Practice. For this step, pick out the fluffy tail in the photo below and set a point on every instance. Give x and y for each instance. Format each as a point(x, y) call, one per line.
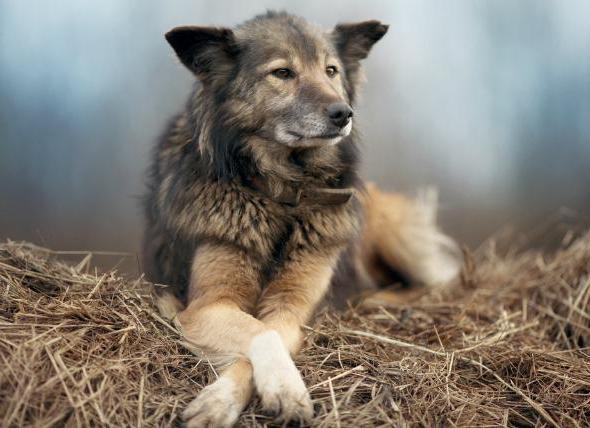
point(402, 233)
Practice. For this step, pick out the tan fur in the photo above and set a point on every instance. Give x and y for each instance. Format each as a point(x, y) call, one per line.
point(392, 297)
point(215, 318)
point(289, 301)
point(222, 273)
point(168, 305)
point(403, 232)
point(220, 403)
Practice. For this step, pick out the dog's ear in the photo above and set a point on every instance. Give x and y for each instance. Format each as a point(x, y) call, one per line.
point(204, 50)
point(353, 43)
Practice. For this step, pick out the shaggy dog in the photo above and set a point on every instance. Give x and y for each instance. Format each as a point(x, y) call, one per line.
point(255, 209)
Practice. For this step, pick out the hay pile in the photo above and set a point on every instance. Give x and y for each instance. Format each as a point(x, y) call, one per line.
point(505, 345)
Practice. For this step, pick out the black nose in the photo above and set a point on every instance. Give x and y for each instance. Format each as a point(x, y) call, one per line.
point(339, 114)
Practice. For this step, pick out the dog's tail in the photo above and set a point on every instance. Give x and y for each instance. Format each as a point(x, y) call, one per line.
point(401, 235)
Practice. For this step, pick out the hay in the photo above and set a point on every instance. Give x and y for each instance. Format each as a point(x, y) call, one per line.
point(505, 345)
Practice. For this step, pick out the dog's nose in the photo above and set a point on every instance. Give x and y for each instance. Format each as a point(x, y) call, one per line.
point(339, 114)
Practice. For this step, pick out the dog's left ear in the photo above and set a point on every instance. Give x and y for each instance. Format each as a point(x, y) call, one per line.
point(353, 43)
point(206, 51)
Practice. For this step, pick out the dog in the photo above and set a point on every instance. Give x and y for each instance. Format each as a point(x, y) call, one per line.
point(255, 208)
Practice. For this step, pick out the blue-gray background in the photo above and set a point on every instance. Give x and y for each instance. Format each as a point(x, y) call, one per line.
point(488, 101)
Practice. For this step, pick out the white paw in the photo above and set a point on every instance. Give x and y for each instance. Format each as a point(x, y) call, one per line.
point(215, 406)
point(282, 392)
point(278, 382)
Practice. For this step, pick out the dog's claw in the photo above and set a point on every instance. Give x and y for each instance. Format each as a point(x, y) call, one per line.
point(289, 408)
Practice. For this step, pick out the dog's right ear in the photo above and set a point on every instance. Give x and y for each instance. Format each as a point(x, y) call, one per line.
point(204, 50)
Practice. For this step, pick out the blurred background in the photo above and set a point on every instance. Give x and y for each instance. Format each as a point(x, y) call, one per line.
point(488, 101)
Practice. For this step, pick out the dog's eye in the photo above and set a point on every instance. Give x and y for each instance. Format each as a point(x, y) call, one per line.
point(283, 73)
point(331, 70)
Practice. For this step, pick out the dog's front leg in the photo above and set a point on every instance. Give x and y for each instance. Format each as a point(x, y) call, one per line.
point(286, 304)
point(223, 292)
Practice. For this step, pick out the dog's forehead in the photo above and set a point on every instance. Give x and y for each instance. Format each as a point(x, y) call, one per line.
point(271, 36)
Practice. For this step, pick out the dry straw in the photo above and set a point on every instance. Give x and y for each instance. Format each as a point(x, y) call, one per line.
point(506, 345)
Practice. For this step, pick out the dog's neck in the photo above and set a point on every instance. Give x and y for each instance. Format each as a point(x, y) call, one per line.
point(313, 164)
point(295, 195)
point(293, 177)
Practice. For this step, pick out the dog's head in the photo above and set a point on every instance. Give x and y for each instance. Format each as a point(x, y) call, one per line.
point(280, 78)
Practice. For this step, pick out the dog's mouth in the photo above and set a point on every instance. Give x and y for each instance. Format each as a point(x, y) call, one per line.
point(329, 136)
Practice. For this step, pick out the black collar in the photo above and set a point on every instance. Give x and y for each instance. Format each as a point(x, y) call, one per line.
point(294, 196)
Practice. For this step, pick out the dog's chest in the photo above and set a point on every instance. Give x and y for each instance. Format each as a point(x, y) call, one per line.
point(262, 227)
point(323, 228)
point(274, 231)
point(317, 232)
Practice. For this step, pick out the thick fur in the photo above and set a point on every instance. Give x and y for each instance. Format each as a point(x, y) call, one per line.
point(246, 271)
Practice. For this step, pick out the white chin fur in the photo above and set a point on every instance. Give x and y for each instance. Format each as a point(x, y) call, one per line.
point(283, 136)
point(347, 129)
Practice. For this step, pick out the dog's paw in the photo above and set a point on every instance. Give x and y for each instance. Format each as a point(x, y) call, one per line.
point(283, 393)
point(278, 382)
point(215, 406)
